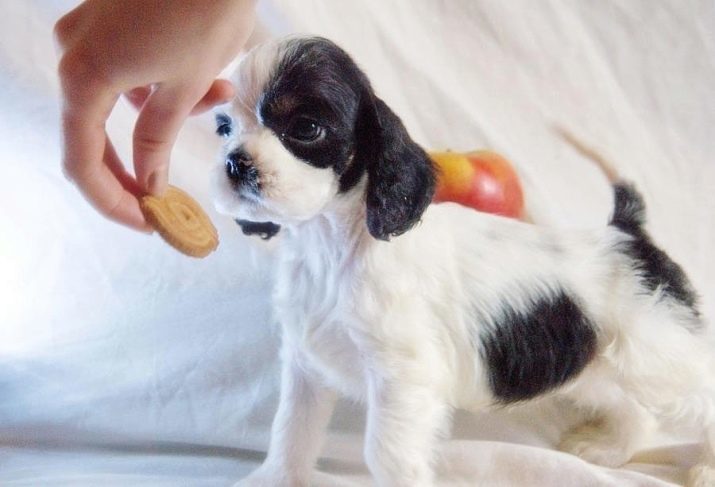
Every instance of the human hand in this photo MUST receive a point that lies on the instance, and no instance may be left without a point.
(165, 55)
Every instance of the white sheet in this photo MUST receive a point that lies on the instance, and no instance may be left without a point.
(125, 363)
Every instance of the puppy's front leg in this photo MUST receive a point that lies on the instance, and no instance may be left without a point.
(298, 429)
(404, 423)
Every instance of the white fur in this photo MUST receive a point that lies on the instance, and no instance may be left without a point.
(293, 191)
(395, 324)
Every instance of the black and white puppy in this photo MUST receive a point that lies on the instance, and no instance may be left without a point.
(418, 309)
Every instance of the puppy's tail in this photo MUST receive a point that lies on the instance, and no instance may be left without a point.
(657, 270)
(629, 209)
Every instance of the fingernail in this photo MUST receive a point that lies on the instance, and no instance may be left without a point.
(158, 181)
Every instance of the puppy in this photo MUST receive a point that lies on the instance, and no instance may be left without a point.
(418, 309)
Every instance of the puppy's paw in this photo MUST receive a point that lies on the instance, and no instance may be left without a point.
(596, 445)
(267, 477)
(701, 476)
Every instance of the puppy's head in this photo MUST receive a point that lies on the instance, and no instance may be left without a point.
(304, 129)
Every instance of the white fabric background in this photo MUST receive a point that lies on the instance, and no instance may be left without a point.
(124, 363)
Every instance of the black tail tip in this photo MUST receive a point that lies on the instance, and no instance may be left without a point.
(629, 208)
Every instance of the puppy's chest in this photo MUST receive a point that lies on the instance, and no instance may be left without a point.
(313, 300)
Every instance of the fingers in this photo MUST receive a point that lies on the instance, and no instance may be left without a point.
(90, 160)
(161, 116)
(220, 92)
(125, 209)
(67, 24)
(138, 96)
(86, 147)
(111, 190)
(127, 180)
(106, 49)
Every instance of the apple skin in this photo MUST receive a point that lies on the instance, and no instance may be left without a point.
(482, 180)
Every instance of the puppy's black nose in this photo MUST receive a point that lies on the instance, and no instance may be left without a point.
(239, 168)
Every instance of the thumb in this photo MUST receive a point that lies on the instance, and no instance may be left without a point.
(138, 96)
(220, 92)
(157, 126)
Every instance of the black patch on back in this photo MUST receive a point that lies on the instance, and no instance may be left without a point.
(656, 268)
(531, 351)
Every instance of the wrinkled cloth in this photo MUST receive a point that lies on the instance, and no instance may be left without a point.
(125, 363)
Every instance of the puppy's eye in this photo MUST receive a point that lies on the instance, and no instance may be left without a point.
(304, 129)
(224, 125)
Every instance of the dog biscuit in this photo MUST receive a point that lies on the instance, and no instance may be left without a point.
(181, 222)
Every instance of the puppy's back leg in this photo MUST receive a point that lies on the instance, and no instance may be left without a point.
(696, 414)
(619, 425)
(703, 474)
(667, 367)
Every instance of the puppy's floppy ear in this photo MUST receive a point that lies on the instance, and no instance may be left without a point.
(400, 175)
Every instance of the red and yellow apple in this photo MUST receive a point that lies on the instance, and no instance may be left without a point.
(482, 180)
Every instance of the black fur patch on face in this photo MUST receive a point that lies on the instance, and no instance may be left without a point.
(531, 351)
(656, 268)
(324, 111)
(312, 103)
(265, 230)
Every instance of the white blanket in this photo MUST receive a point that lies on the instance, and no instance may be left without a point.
(124, 363)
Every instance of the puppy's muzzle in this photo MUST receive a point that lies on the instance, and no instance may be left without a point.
(241, 171)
